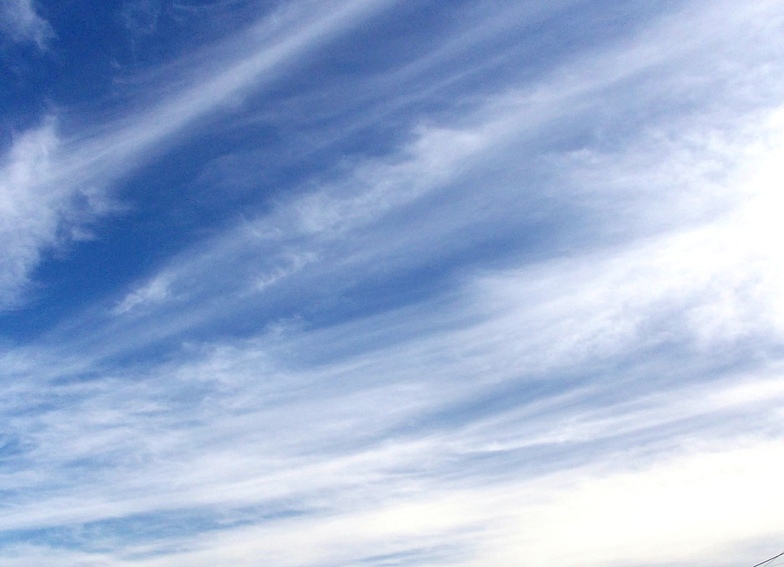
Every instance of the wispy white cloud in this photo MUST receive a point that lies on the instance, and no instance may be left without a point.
(155, 291)
(140, 17)
(37, 210)
(20, 21)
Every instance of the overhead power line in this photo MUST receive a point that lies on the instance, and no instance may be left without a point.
(769, 560)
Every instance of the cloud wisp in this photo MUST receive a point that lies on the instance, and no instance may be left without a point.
(20, 22)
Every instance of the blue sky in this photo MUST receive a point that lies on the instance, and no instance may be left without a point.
(382, 282)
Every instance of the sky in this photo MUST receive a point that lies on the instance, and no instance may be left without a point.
(354, 283)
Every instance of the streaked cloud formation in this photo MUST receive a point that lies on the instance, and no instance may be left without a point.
(376, 283)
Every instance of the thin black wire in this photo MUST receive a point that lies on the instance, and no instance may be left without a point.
(769, 560)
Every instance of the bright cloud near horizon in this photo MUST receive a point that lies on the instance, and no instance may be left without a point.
(325, 283)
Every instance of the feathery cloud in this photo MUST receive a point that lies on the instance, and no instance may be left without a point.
(20, 22)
